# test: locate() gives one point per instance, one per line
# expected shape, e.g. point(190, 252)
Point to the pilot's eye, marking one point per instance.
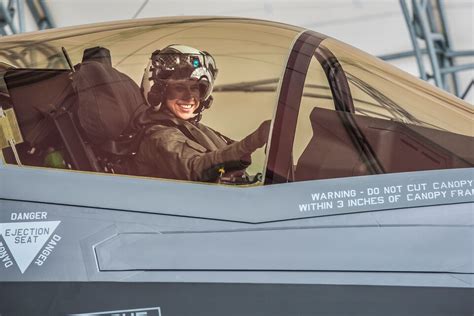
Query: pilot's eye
point(194, 87)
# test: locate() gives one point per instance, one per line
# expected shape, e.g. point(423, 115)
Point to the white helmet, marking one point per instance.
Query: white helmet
point(178, 62)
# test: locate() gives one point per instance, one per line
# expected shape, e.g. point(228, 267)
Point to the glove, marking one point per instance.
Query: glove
point(258, 138)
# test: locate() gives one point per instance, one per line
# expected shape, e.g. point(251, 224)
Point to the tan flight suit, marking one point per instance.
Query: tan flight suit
point(177, 149)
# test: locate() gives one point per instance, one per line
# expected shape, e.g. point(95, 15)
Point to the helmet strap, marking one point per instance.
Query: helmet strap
point(204, 105)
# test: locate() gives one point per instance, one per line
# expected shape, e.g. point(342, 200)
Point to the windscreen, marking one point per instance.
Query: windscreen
point(393, 122)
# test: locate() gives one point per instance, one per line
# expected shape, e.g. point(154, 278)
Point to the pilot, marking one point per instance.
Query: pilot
point(177, 84)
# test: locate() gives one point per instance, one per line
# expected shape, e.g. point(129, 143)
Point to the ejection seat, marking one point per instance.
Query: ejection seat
point(85, 114)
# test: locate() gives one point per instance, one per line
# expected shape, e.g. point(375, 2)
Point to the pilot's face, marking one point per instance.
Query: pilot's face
point(182, 98)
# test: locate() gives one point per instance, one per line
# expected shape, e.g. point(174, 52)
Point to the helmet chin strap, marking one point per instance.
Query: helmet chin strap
point(202, 106)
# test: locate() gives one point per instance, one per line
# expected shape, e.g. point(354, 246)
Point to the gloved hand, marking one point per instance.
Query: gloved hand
point(258, 138)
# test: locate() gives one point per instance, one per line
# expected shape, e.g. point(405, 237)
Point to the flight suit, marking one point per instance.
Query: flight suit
point(173, 148)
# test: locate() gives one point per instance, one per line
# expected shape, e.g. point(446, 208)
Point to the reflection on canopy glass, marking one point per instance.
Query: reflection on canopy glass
point(391, 122)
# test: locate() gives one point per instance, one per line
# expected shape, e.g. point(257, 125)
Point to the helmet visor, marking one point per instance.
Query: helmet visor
point(168, 65)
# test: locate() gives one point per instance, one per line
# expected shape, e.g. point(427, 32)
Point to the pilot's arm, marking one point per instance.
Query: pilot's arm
point(175, 156)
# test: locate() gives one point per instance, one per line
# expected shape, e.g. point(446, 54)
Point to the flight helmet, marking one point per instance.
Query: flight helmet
point(179, 62)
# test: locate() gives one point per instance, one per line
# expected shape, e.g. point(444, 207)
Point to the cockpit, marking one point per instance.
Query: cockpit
point(335, 111)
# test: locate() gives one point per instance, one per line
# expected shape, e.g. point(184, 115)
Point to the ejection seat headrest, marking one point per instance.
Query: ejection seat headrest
point(98, 54)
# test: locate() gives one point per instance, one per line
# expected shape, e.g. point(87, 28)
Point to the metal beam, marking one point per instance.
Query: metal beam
point(427, 24)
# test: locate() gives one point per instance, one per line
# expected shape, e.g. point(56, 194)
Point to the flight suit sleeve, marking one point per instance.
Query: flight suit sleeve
point(186, 159)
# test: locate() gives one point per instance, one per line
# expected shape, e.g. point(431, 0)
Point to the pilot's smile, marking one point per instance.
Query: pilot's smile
point(182, 98)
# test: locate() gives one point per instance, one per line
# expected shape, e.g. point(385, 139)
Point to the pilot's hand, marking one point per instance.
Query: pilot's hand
point(258, 138)
point(263, 133)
